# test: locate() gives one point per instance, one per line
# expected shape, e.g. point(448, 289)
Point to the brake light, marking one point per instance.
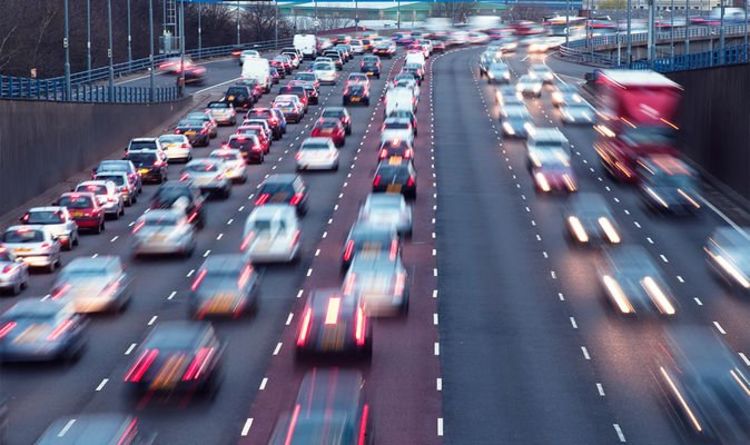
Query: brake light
point(177, 131)
point(185, 145)
point(199, 364)
point(138, 370)
point(7, 268)
point(159, 164)
point(295, 237)
point(46, 245)
point(262, 199)
point(409, 154)
point(138, 226)
point(398, 287)
point(410, 182)
point(394, 249)
point(359, 327)
point(376, 181)
point(348, 250)
point(247, 272)
point(198, 280)
point(332, 311)
point(25, 218)
point(246, 241)
point(304, 330)
point(383, 153)
point(296, 199)
point(60, 330)
point(298, 156)
point(184, 177)
point(363, 425)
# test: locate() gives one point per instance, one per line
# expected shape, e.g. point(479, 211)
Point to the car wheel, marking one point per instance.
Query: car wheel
point(348, 130)
point(74, 239)
point(52, 266)
point(16, 289)
point(226, 193)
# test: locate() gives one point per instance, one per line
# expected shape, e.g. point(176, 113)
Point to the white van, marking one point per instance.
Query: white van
point(272, 234)
point(415, 57)
point(400, 99)
point(259, 69)
point(307, 44)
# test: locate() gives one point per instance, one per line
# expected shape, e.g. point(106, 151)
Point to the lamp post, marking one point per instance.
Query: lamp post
point(629, 38)
point(130, 40)
point(182, 45)
point(88, 37)
point(687, 28)
point(276, 25)
point(721, 34)
point(567, 23)
point(151, 49)
point(200, 33)
point(238, 23)
point(66, 46)
point(109, 51)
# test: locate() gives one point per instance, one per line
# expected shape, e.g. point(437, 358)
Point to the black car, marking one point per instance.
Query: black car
point(399, 149)
point(195, 130)
point(249, 146)
point(341, 114)
point(283, 189)
point(396, 176)
point(297, 90)
point(356, 93)
point(370, 65)
point(312, 93)
point(367, 237)
point(240, 96)
point(225, 285)
point(256, 90)
point(150, 168)
point(182, 194)
point(96, 429)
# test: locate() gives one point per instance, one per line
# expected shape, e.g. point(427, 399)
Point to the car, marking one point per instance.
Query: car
point(331, 408)
point(378, 280)
point(342, 39)
point(400, 99)
point(329, 127)
point(107, 428)
point(397, 129)
point(396, 176)
point(209, 175)
point(293, 109)
point(107, 196)
point(341, 114)
point(222, 112)
point(177, 357)
point(204, 117)
point(139, 145)
point(14, 273)
point(589, 220)
point(397, 149)
point(357, 47)
point(668, 184)
point(272, 234)
point(406, 114)
point(194, 74)
point(336, 57)
point(508, 95)
point(225, 285)
point(385, 49)
point(313, 96)
point(150, 167)
point(325, 72)
point(552, 172)
point(438, 46)
point(283, 189)
point(257, 132)
point(498, 72)
point(370, 65)
point(122, 185)
point(546, 142)
point(632, 282)
point(121, 165)
point(267, 131)
point(332, 324)
point(276, 75)
point(282, 63)
point(93, 285)
point(177, 147)
point(234, 163)
point(727, 251)
point(308, 77)
point(542, 72)
point(83, 209)
point(565, 94)
point(57, 221)
point(246, 54)
point(577, 113)
point(485, 60)
point(249, 146)
point(239, 97)
point(183, 197)
point(318, 153)
point(163, 232)
point(291, 89)
point(508, 45)
point(356, 78)
point(704, 386)
point(367, 45)
point(257, 90)
point(37, 330)
point(345, 51)
point(294, 57)
point(271, 117)
point(529, 86)
point(388, 210)
point(356, 93)
point(416, 69)
point(197, 132)
point(365, 236)
point(402, 38)
point(406, 80)
point(516, 121)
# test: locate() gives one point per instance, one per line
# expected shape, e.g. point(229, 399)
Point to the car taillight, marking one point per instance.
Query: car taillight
point(60, 330)
point(7, 268)
point(198, 280)
point(185, 145)
point(359, 327)
point(247, 240)
point(348, 250)
point(376, 181)
point(410, 182)
point(296, 199)
point(158, 164)
point(7, 327)
point(262, 199)
point(199, 364)
point(204, 131)
point(177, 131)
point(362, 436)
point(398, 287)
point(295, 237)
point(298, 156)
point(304, 330)
point(394, 249)
point(46, 245)
point(383, 153)
point(138, 370)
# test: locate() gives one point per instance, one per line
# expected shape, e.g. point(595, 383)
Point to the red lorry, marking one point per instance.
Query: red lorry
point(636, 118)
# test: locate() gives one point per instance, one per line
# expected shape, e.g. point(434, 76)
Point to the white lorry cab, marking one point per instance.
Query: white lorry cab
point(259, 69)
point(307, 44)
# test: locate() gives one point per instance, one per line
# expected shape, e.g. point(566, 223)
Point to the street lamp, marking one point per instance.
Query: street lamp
point(200, 33)
point(238, 22)
point(66, 46)
point(629, 38)
point(130, 39)
point(151, 49)
point(109, 51)
point(88, 37)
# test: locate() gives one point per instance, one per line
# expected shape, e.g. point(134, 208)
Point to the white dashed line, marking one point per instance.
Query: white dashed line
point(153, 320)
point(247, 426)
point(573, 323)
point(299, 292)
point(719, 328)
point(744, 358)
point(130, 348)
point(190, 274)
point(289, 319)
point(600, 389)
point(263, 383)
point(618, 430)
point(102, 385)
point(277, 348)
point(436, 348)
point(219, 237)
point(440, 427)
point(115, 238)
point(585, 353)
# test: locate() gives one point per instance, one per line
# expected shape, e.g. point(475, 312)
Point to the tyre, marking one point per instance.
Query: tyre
point(16, 289)
point(99, 228)
point(52, 266)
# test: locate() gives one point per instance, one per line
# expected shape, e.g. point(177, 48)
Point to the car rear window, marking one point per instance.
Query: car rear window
point(202, 167)
point(76, 202)
point(228, 156)
point(260, 114)
point(23, 236)
point(114, 166)
point(143, 145)
point(390, 172)
point(95, 189)
point(49, 217)
point(236, 91)
point(314, 146)
point(218, 105)
point(396, 125)
point(272, 188)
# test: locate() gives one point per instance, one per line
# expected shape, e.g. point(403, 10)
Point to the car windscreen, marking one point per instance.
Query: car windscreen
point(218, 105)
point(323, 66)
point(190, 124)
point(44, 217)
point(277, 187)
point(314, 146)
point(396, 125)
point(260, 114)
point(93, 188)
point(162, 221)
point(333, 113)
point(23, 236)
point(117, 166)
point(76, 202)
point(227, 156)
point(142, 145)
point(168, 195)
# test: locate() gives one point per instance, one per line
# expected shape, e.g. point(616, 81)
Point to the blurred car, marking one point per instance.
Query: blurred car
point(84, 209)
point(234, 163)
point(57, 221)
point(406, 80)
point(369, 237)
point(145, 145)
point(356, 93)
point(508, 44)
point(542, 72)
point(667, 184)
point(93, 285)
point(370, 65)
point(256, 89)
point(588, 220)
point(498, 72)
point(336, 58)
point(728, 254)
point(397, 129)
point(107, 196)
point(508, 95)
point(357, 78)
point(249, 146)
point(294, 57)
point(120, 429)
point(341, 114)
point(293, 109)
point(397, 149)
point(177, 147)
point(385, 49)
point(331, 408)
point(124, 166)
point(267, 131)
point(313, 96)
point(632, 282)
point(551, 171)
point(318, 153)
point(197, 132)
point(183, 197)
point(276, 75)
point(225, 285)
point(122, 183)
point(255, 132)
point(705, 386)
point(35, 330)
point(438, 46)
point(577, 113)
point(270, 116)
point(272, 234)
point(329, 127)
point(33, 245)
point(150, 167)
point(194, 74)
point(396, 176)
point(387, 210)
point(291, 89)
point(379, 281)
point(222, 112)
point(416, 69)
point(14, 273)
point(486, 59)
point(515, 120)
point(177, 356)
point(308, 77)
point(162, 232)
point(282, 63)
point(406, 114)
point(172, 65)
point(529, 86)
point(209, 175)
point(210, 123)
point(332, 324)
point(239, 97)
point(565, 94)
point(247, 54)
point(325, 72)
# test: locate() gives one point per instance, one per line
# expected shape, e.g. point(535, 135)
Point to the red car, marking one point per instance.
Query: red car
point(258, 131)
point(83, 209)
point(330, 128)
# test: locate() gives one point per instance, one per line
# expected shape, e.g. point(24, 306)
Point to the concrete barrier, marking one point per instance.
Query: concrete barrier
point(43, 143)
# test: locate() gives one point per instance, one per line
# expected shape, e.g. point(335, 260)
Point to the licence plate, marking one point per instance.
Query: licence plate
point(76, 214)
point(333, 339)
point(22, 250)
point(221, 304)
point(142, 171)
point(355, 99)
point(190, 133)
point(31, 334)
point(230, 98)
point(393, 188)
point(396, 159)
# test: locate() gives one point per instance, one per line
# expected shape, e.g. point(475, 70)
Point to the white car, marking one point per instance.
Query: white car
point(209, 175)
point(397, 128)
point(407, 82)
point(543, 72)
point(177, 147)
point(107, 196)
point(325, 72)
point(400, 99)
point(125, 187)
point(272, 234)
point(387, 210)
point(357, 47)
point(14, 274)
point(529, 86)
point(317, 154)
point(163, 231)
point(234, 163)
point(263, 123)
point(34, 245)
point(248, 54)
point(222, 112)
point(577, 113)
point(93, 284)
point(138, 145)
point(56, 221)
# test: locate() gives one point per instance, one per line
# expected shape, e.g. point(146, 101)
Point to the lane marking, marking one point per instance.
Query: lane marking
point(585, 353)
point(600, 389)
point(247, 426)
point(719, 328)
point(172, 295)
point(263, 384)
point(153, 320)
point(439, 384)
point(130, 348)
point(618, 430)
point(102, 385)
point(277, 348)
point(289, 318)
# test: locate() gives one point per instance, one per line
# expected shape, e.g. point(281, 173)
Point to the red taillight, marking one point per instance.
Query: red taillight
point(409, 154)
point(376, 181)
point(245, 275)
point(304, 329)
point(138, 226)
point(295, 237)
point(60, 291)
point(362, 436)
point(138, 370)
point(25, 218)
point(7, 268)
point(7, 327)
point(159, 164)
point(204, 131)
point(359, 327)
point(348, 250)
point(46, 245)
point(184, 177)
point(394, 249)
point(410, 182)
point(246, 241)
point(199, 364)
point(198, 280)
point(177, 131)
point(60, 330)
point(298, 156)
point(383, 153)
point(262, 199)
point(296, 199)
point(185, 145)
point(398, 287)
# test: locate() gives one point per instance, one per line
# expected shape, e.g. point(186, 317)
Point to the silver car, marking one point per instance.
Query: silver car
point(177, 147)
point(234, 163)
point(14, 274)
point(34, 245)
point(577, 113)
point(57, 221)
point(127, 189)
point(107, 196)
point(379, 281)
point(209, 175)
point(542, 72)
point(317, 154)
point(163, 231)
point(388, 210)
point(93, 284)
point(529, 86)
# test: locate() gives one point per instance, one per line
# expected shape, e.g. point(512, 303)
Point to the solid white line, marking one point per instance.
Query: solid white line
point(102, 385)
point(130, 348)
point(217, 85)
point(277, 348)
point(719, 328)
point(263, 383)
point(618, 430)
point(289, 319)
point(247, 426)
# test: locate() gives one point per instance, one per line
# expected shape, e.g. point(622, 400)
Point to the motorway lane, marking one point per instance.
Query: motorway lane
point(61, 390)
point(402, 379)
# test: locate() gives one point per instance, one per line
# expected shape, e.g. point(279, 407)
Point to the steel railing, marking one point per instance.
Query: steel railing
point(694, 32)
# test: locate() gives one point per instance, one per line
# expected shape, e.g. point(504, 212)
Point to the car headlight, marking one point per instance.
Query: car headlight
point(490, 75)
point(508, 128)
point(578, 230)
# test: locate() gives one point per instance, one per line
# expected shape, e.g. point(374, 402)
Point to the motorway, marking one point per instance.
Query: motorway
point(508, 338)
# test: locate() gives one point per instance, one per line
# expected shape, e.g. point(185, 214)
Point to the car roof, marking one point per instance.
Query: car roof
point(273, 210)
point(316, 140)
point(46, 209)
point(88, 429)
point(226, 261)
point(281, 178)
point(88, 263)
point(331, 390)
point(186, 332)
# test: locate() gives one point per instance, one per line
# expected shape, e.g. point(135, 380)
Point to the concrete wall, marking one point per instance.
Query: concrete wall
point(43, 143)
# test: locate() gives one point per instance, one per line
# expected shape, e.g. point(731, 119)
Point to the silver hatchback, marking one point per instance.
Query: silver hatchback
point(34, 245)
